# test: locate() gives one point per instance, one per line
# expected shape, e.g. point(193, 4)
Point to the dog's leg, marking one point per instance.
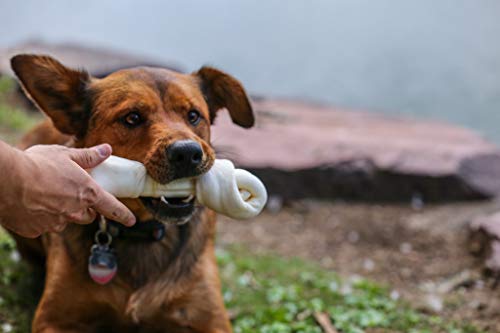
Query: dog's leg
point(202, 307)
point(197, 305)
point(57, 308)
point(210, 288)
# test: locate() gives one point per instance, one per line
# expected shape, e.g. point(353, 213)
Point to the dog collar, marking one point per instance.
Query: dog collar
point(103, 263)
point(141, 231)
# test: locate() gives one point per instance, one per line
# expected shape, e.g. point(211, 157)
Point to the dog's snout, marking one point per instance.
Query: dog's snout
point(185, 154)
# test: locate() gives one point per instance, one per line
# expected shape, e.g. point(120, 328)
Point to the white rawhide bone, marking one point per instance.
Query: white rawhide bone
point(232, 192)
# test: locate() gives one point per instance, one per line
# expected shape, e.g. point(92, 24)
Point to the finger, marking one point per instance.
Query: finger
point(110, 207)
point(89, 158)
point(85, 216)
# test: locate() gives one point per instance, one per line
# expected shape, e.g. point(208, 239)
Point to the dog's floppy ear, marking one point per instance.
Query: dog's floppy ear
point(57, 90)
point(224, 91)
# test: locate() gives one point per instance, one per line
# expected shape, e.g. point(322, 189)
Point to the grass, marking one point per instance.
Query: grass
point(264, 294)
point(269, 294)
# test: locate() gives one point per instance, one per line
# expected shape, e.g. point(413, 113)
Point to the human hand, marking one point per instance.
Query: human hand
point(51, 189)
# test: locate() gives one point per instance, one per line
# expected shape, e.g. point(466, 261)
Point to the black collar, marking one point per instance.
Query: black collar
point(142, 231)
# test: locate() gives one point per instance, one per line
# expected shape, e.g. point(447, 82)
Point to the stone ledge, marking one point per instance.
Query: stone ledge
point(305, 150)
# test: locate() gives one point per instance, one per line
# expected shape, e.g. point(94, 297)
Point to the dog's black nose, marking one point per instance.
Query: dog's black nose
point(185, 154)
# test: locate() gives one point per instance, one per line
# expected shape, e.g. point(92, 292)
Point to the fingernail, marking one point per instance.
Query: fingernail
point(103, 150)
point(131, 221)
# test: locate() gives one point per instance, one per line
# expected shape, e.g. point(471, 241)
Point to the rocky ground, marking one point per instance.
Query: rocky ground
point(421, 253)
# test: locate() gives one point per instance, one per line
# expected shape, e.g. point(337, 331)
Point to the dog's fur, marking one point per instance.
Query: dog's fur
point(166, 286)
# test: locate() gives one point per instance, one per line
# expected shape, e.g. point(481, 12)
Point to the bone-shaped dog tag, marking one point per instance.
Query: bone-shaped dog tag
point(102, 264)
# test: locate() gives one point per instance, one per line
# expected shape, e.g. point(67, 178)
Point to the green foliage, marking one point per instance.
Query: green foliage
point(12, 118)
point(6, 85)
point(269, 294)
point(17, 290)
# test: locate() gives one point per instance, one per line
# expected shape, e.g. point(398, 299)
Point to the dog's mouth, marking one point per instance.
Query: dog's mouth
point(176, 210)
point(170, 210)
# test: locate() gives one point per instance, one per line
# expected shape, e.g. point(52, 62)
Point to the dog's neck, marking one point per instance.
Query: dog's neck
point(141, 261)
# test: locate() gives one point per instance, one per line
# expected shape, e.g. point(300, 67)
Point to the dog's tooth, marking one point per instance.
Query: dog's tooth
point(164, 200)
point(188, 199)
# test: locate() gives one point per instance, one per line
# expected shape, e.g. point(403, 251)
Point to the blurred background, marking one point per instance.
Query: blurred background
point(437, 59)
point(376, 137)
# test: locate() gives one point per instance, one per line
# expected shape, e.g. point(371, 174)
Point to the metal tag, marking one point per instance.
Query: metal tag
point(102, 264)
point(102, 261)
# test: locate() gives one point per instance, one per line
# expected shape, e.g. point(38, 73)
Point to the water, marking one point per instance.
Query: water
point(426, 58)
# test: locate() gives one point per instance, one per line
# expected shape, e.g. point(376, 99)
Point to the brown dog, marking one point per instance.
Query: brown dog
point(162, 119)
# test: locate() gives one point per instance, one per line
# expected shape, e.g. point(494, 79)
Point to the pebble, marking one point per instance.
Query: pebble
point(353, 236)
point(405, 248)
point(394, 295)
point(417, 202)
point(368, 265)
point(274, 204)
point(333, 286)
point(479, 284)
point(434, 303)
point(346, 289)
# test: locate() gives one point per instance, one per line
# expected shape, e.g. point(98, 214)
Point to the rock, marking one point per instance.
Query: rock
point(394, 295)
point(485, 241)
point(274, 204)
point(98, 61)
point(305, 150)
point(417, 203)
point(433, 303)
point(368, 265)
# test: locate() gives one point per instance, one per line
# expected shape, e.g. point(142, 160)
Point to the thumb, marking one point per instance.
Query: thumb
point(89, 158)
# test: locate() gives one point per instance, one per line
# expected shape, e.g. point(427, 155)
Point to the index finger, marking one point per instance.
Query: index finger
point(110, 207)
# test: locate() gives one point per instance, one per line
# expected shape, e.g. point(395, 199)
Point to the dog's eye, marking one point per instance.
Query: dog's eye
point(194, 117)
point(132, 119)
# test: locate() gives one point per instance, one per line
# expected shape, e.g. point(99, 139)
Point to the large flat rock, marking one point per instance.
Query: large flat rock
point(305, 150)
point(98, 61)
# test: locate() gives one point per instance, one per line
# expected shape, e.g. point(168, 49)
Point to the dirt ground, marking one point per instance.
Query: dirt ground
point(422, 255)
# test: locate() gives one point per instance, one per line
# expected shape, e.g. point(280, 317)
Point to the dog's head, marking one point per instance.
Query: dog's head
point(152, 115)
